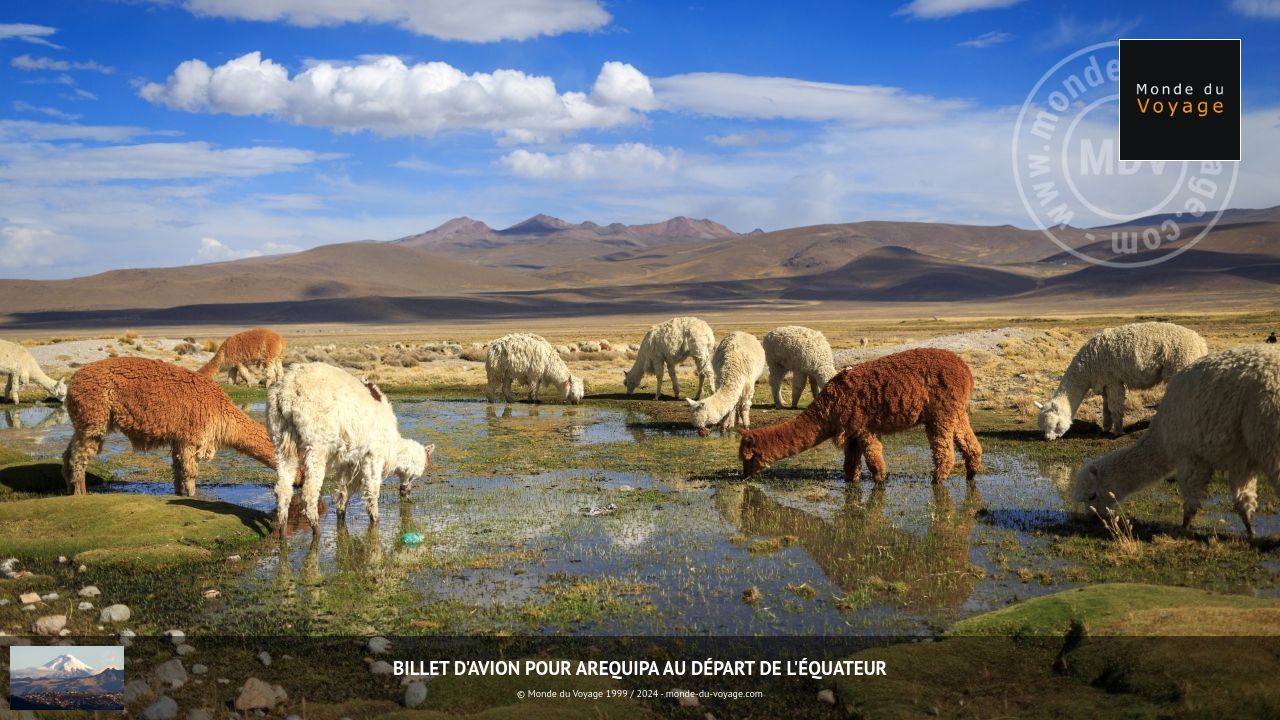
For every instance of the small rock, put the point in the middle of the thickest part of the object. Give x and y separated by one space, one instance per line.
164 708
198 669
827 697
177 637
625 488
9 566
22 574
171 673
136 690
62 559
29 598
90 591
114 614
258 695
28 608
233 558
415 694
200 714
223 681
381 667
49 597
211 594
264 657
85 605
709 716
293 717
379 645
83 568
686 699
185 649
127 633
49 625
933 710
64 632
4 601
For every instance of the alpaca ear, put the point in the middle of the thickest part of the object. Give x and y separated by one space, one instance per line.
692 403
429 450
1039 405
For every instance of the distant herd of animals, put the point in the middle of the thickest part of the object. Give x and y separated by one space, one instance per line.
1220 412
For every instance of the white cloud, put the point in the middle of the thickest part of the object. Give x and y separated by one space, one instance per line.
750 96
987 39
624 162
1258 8
43 163
214 250
289 201
475 21
26 62
933 9
747 139
22 106
388 97
1070 31
34 34
11 130
28 245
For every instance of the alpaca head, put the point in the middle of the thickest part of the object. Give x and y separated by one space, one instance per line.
631 380
1092 486
59 391
412 459
573 390
752 461
700 416
1055 417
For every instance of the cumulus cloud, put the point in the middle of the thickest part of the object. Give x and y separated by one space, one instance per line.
933 9
987 39
44 163
34 34
28 245
750 96
589 162
214 250
474 21
26 62
387 96
1258 8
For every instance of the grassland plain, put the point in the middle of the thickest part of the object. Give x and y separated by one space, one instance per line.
796 538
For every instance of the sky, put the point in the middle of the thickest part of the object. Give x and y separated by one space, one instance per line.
168 132
95 656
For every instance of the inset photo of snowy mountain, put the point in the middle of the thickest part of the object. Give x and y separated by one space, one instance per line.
66 678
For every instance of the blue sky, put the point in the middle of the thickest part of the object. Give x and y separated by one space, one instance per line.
167 132
95 656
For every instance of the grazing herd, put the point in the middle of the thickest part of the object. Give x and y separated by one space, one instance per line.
1220 412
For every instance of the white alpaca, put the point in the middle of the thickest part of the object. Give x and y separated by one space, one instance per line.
1129 357
802 352
668 344
1221 413
531 360
17 363
324 418
738 363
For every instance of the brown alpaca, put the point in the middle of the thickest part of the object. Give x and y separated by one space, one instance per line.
156 404
927 387
259 346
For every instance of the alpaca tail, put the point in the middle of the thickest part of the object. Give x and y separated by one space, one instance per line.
212 367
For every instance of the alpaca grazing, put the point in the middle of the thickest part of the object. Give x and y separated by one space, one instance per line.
1221 413
17 363
531 360
259 347
738 363
1129 357
885 396
804 353
321 417
156 404
668 344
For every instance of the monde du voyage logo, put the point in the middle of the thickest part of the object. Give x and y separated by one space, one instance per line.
1124 152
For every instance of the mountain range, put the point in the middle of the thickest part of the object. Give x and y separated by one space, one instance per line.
545 266
67 683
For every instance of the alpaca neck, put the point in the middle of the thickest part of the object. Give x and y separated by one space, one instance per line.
244 435
725 398
214 365
789 438
1073 388
1137 466
37 376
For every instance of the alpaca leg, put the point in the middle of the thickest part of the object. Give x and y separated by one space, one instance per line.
506 390
657 369
288 475
815 387
1245 489
245 376
797 388
744 406
873 451
1113 397
342 483
675 382
313 471
371 478
970 448
776 376
11 389
489 389
853 451
535 386
185 469
944 451
79 452
1193 485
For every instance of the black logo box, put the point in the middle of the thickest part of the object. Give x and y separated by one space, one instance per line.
1185 67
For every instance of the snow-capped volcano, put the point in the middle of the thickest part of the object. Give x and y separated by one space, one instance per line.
63 666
